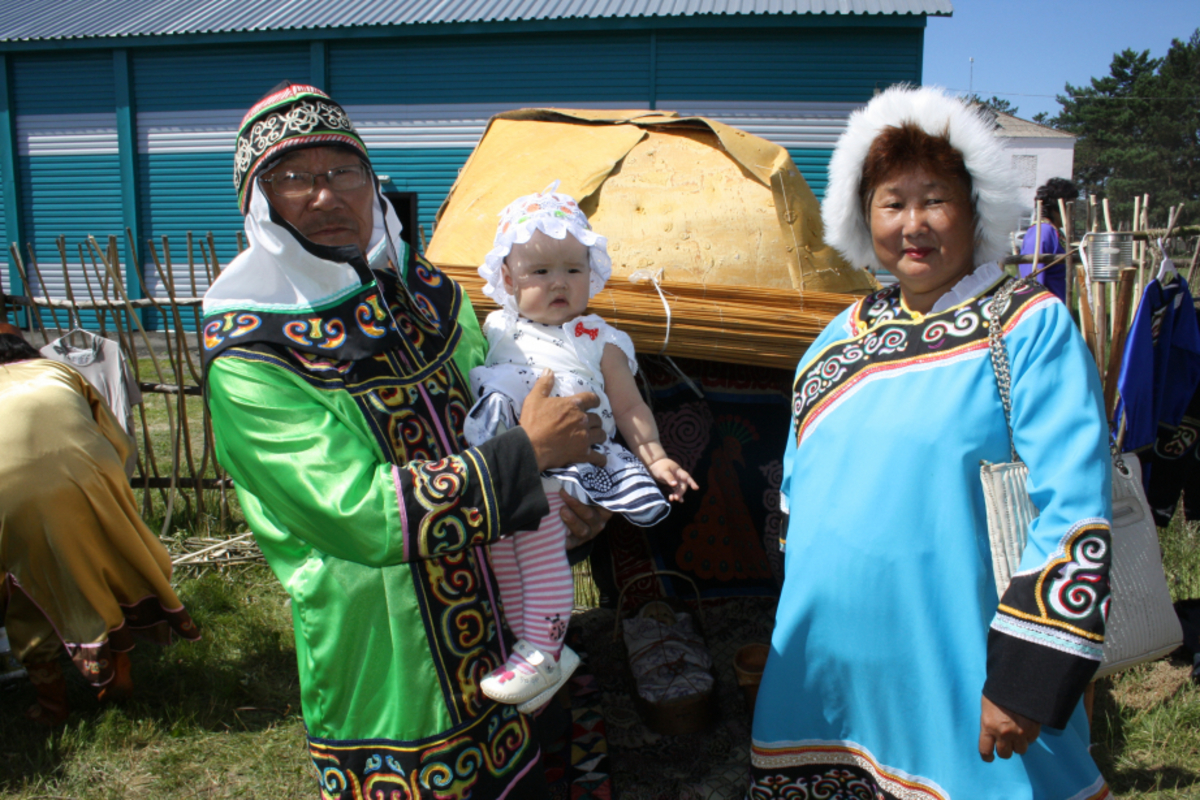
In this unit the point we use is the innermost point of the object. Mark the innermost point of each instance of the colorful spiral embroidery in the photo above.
(336, 333)
(211, 339)
(1075, 588)
(426, 307)
(245, 324)
(429, 275)
(882, 343)
(326, 334)
(965, 323)
(368, 314)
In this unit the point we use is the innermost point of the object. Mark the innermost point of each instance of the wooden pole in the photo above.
(1067, 213)
(1085, 312)
(184, 352)
(212, 248)
(157, 369)
(167, 275)
(33, 263)
(37, 314)
(1195, 259)
(61, 241)
(1116, 354)
(129, 344)
(101, 313)
(1139, 252)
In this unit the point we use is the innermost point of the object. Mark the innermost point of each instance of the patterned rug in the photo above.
(724, 537)
(644, 765)
(578, 768)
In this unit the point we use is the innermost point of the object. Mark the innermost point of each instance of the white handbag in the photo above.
(1142, 624)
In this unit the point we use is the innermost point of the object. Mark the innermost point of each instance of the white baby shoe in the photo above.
(568, 662)
(513, 684)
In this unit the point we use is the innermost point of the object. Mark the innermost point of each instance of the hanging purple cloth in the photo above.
(1055, 278)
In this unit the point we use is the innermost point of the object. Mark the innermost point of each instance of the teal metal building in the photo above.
(120, 114)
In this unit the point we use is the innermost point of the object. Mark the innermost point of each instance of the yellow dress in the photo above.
(71, 539)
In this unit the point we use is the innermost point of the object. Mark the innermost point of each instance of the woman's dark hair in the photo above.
(14, 348)
(1057, 189)
(908, 147)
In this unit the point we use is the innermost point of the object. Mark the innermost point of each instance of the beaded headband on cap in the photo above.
(289, 118)
(554, 214)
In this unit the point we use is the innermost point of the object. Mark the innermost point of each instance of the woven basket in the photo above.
(680, 715)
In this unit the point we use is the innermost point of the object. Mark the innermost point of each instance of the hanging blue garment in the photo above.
(1161, 369)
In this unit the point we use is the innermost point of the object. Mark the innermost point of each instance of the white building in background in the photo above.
(1039, 153)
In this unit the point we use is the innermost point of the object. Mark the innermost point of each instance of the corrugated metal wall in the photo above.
(4, 258)
(524, 68)
(186, 133)
(794, 86)
(69, 182)
(421, 104)
(786, 64)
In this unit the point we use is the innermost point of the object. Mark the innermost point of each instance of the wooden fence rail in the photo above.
(190, 472)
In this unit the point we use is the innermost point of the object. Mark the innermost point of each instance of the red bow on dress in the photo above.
(582, 331)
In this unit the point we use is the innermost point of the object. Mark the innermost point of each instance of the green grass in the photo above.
(1147, 722)
(216, 718)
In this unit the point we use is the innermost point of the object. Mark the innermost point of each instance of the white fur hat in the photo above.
(993, 192)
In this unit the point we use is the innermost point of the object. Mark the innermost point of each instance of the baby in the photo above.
(546, 265)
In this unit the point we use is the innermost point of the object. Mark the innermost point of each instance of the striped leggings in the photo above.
(536, 585)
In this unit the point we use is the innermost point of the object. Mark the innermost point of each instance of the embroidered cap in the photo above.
(554, 214)
(289, 118)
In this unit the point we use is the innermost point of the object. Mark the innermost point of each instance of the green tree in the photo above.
(1139, 128)
(996, 104)
(1179, 83)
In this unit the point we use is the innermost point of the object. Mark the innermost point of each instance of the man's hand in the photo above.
(559, 428)
(1006, 732)
(584, 522)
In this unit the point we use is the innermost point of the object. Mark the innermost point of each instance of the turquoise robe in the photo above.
(889, 627)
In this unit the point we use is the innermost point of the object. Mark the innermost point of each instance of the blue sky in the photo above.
(1026, 51)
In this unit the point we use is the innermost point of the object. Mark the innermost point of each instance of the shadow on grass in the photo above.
(1137, 749)
(241, 677)
(1148, 782)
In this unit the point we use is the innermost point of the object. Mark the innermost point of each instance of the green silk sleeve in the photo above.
(472, 347)
(312, 466)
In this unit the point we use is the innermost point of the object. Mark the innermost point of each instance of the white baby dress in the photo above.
(518, 352)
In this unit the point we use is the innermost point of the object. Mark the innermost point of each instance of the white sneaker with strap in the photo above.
(528, 674)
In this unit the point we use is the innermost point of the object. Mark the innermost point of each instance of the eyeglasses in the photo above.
(299, 184)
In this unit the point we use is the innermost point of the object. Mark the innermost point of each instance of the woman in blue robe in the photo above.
(895, 669)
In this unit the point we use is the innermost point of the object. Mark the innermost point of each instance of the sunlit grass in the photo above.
(1147, 727)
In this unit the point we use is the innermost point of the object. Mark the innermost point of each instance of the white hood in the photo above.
(277, 273)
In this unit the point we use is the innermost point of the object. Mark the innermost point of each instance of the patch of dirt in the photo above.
(1152, 686)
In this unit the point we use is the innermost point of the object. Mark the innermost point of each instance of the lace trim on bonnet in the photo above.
(554, 214)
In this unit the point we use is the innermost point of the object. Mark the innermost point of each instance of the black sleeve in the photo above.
(518, 484)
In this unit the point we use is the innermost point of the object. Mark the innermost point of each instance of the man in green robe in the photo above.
(335, 364)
